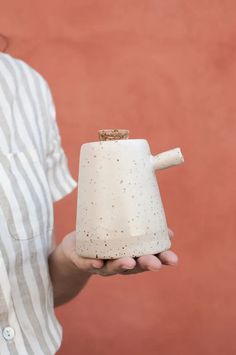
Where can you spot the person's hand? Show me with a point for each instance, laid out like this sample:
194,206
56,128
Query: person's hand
124,265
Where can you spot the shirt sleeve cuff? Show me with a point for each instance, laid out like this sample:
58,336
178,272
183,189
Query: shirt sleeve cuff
60,180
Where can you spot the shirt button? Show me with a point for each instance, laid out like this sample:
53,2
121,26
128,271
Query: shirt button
8,333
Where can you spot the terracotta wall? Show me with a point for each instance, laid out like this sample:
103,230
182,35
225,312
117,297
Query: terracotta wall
167,71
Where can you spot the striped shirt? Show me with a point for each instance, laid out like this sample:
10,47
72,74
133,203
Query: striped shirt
33,173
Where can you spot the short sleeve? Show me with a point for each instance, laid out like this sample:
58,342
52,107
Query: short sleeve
58,174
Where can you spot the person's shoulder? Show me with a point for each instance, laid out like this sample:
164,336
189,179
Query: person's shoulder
15,69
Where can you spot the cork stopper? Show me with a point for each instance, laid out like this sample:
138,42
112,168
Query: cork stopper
113,134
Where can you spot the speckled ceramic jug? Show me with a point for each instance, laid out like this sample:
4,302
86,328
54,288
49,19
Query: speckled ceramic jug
119,210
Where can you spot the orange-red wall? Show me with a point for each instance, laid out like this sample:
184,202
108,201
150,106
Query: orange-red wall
167,71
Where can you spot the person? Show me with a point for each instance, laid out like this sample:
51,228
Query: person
36,275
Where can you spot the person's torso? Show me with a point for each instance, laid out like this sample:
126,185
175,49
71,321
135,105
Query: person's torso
27,321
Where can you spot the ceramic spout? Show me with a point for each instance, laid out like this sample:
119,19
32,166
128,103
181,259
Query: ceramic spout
167,159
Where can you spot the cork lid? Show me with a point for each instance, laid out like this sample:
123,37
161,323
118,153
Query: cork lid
113,134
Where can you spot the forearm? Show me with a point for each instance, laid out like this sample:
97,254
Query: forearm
67,279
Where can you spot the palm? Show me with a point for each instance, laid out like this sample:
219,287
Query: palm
125,265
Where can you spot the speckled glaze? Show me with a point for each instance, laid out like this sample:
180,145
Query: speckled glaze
119,210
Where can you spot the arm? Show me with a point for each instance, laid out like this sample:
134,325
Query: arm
67,280
70,272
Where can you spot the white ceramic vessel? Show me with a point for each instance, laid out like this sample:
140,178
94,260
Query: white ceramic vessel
119,209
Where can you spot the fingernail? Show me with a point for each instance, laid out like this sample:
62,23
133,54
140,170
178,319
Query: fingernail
126,267
154,268
173,263
174,260
96,265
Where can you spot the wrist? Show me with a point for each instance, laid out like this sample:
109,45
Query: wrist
67,278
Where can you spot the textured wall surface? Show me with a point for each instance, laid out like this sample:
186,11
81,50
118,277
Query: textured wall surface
166,70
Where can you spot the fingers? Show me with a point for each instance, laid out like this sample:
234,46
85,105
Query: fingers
127,265
149,262
117,266
110,267
168,258
86,264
